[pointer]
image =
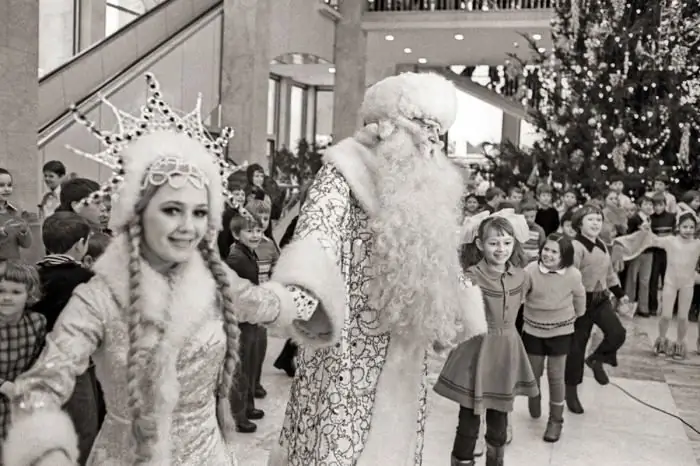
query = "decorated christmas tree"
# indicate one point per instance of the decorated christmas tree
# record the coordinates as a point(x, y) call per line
point(616, 94)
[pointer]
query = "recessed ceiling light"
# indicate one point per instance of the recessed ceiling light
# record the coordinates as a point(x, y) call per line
point(389, 37)
point(459, 36)
point(422, 61)
point(331, 70)
point(407, 50)
point(537, 37)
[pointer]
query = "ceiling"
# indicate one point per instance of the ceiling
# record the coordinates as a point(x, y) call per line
point(482, 46)
point(485, 40)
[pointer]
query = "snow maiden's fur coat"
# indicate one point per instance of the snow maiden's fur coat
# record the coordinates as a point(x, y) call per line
point(363, 401)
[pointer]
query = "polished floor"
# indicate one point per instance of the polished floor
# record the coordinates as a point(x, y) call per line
point(616, 430)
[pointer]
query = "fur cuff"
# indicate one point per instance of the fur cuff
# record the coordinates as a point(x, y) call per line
point(308, 265)
point(31, 436)
point(474, 318)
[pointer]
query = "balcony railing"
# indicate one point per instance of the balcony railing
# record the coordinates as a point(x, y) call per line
point(457, 5)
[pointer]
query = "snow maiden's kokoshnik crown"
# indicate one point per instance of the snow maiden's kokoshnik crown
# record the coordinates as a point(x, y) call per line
point(148, 138)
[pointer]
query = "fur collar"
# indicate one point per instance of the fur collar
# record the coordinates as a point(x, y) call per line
point(183, 302)
point(356, 163)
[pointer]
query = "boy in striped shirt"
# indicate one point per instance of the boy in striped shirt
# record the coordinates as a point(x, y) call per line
point(537, 237)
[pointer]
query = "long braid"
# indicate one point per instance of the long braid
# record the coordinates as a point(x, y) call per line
point(144, 426)
point(218, 270)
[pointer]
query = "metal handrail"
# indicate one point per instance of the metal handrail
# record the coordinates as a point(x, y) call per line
point(396, 6)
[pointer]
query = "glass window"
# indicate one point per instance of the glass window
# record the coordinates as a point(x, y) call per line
point(324, 117)
point(272, 106)
point(296, 116)
point(56, 33)
point(119, 13)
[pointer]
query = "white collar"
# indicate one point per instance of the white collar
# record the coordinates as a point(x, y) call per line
point(544, 269)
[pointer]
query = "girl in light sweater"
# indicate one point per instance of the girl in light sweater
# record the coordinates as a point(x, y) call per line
point(555, 298)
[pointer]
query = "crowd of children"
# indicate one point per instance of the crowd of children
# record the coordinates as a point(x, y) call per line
point(549, 272)
point(73, 235)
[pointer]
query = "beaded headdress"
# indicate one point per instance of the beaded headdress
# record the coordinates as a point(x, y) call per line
point(155, 116)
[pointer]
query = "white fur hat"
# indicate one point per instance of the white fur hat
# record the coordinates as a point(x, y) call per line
point(413, 96)
point(143, 152)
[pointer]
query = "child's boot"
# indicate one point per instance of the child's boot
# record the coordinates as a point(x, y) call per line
point(680, 351)
point(661, 346)
point(572, 401)
point(494, 455)
point(555, 423)
point(456, 462)
point(534, 405)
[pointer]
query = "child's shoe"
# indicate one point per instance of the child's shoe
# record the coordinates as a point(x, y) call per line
point(494, 455)
point(661, 346)
point(555, 423)
point(680, 351)
point(456, 462)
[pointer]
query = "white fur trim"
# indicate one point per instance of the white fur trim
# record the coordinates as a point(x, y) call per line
point(474, 317)
point(140, 155)
point(306, 263)
point(288, 310)
point(412, 96)
point(354, 162)
point(392, 436)
point(31, 436)
point(184, 304)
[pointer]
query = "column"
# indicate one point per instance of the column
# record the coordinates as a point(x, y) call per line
point(350, 60)
point(93, 18)
point(19, 99)
point(245, 70)
point(511, 129)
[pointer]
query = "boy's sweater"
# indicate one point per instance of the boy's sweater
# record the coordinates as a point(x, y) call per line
point(267, 253)
point(548, 219)
point(244, 262)
point(534, 243)
point(592, 259)
point(663, 224)
point(553, 302)
point(59, 276)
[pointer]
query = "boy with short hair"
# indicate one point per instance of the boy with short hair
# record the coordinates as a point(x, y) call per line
point(73, 191)
point(268, 252)
point(54, 174)
point(661, 188)
point(537, 237)
point(639, 269)
point(236, 184)
point(493, 197)
point(617, 185)
point(247, 232)
point(66, 236)
point(96, 247)
point(662, 224)
point(515, 196)
point(547, 216)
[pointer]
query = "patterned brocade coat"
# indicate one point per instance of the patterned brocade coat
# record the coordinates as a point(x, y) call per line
point(363, 401)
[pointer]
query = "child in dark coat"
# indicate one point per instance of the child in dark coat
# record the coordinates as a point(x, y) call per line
point(66, 236)
point(247, 232)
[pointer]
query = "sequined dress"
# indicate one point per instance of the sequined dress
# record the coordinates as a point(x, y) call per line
point(192, 352)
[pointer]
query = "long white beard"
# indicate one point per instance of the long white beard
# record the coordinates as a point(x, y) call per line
point(416, 287)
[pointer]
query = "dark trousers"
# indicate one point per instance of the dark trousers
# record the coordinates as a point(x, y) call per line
point(658, 269)
point(99, 400)
point(260, 351)
point(520, 320)
point(243, 391)
point(600, 312)
point(468, 431)
point(82, 409)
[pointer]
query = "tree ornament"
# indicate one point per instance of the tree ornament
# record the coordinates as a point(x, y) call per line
point(619, 134)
